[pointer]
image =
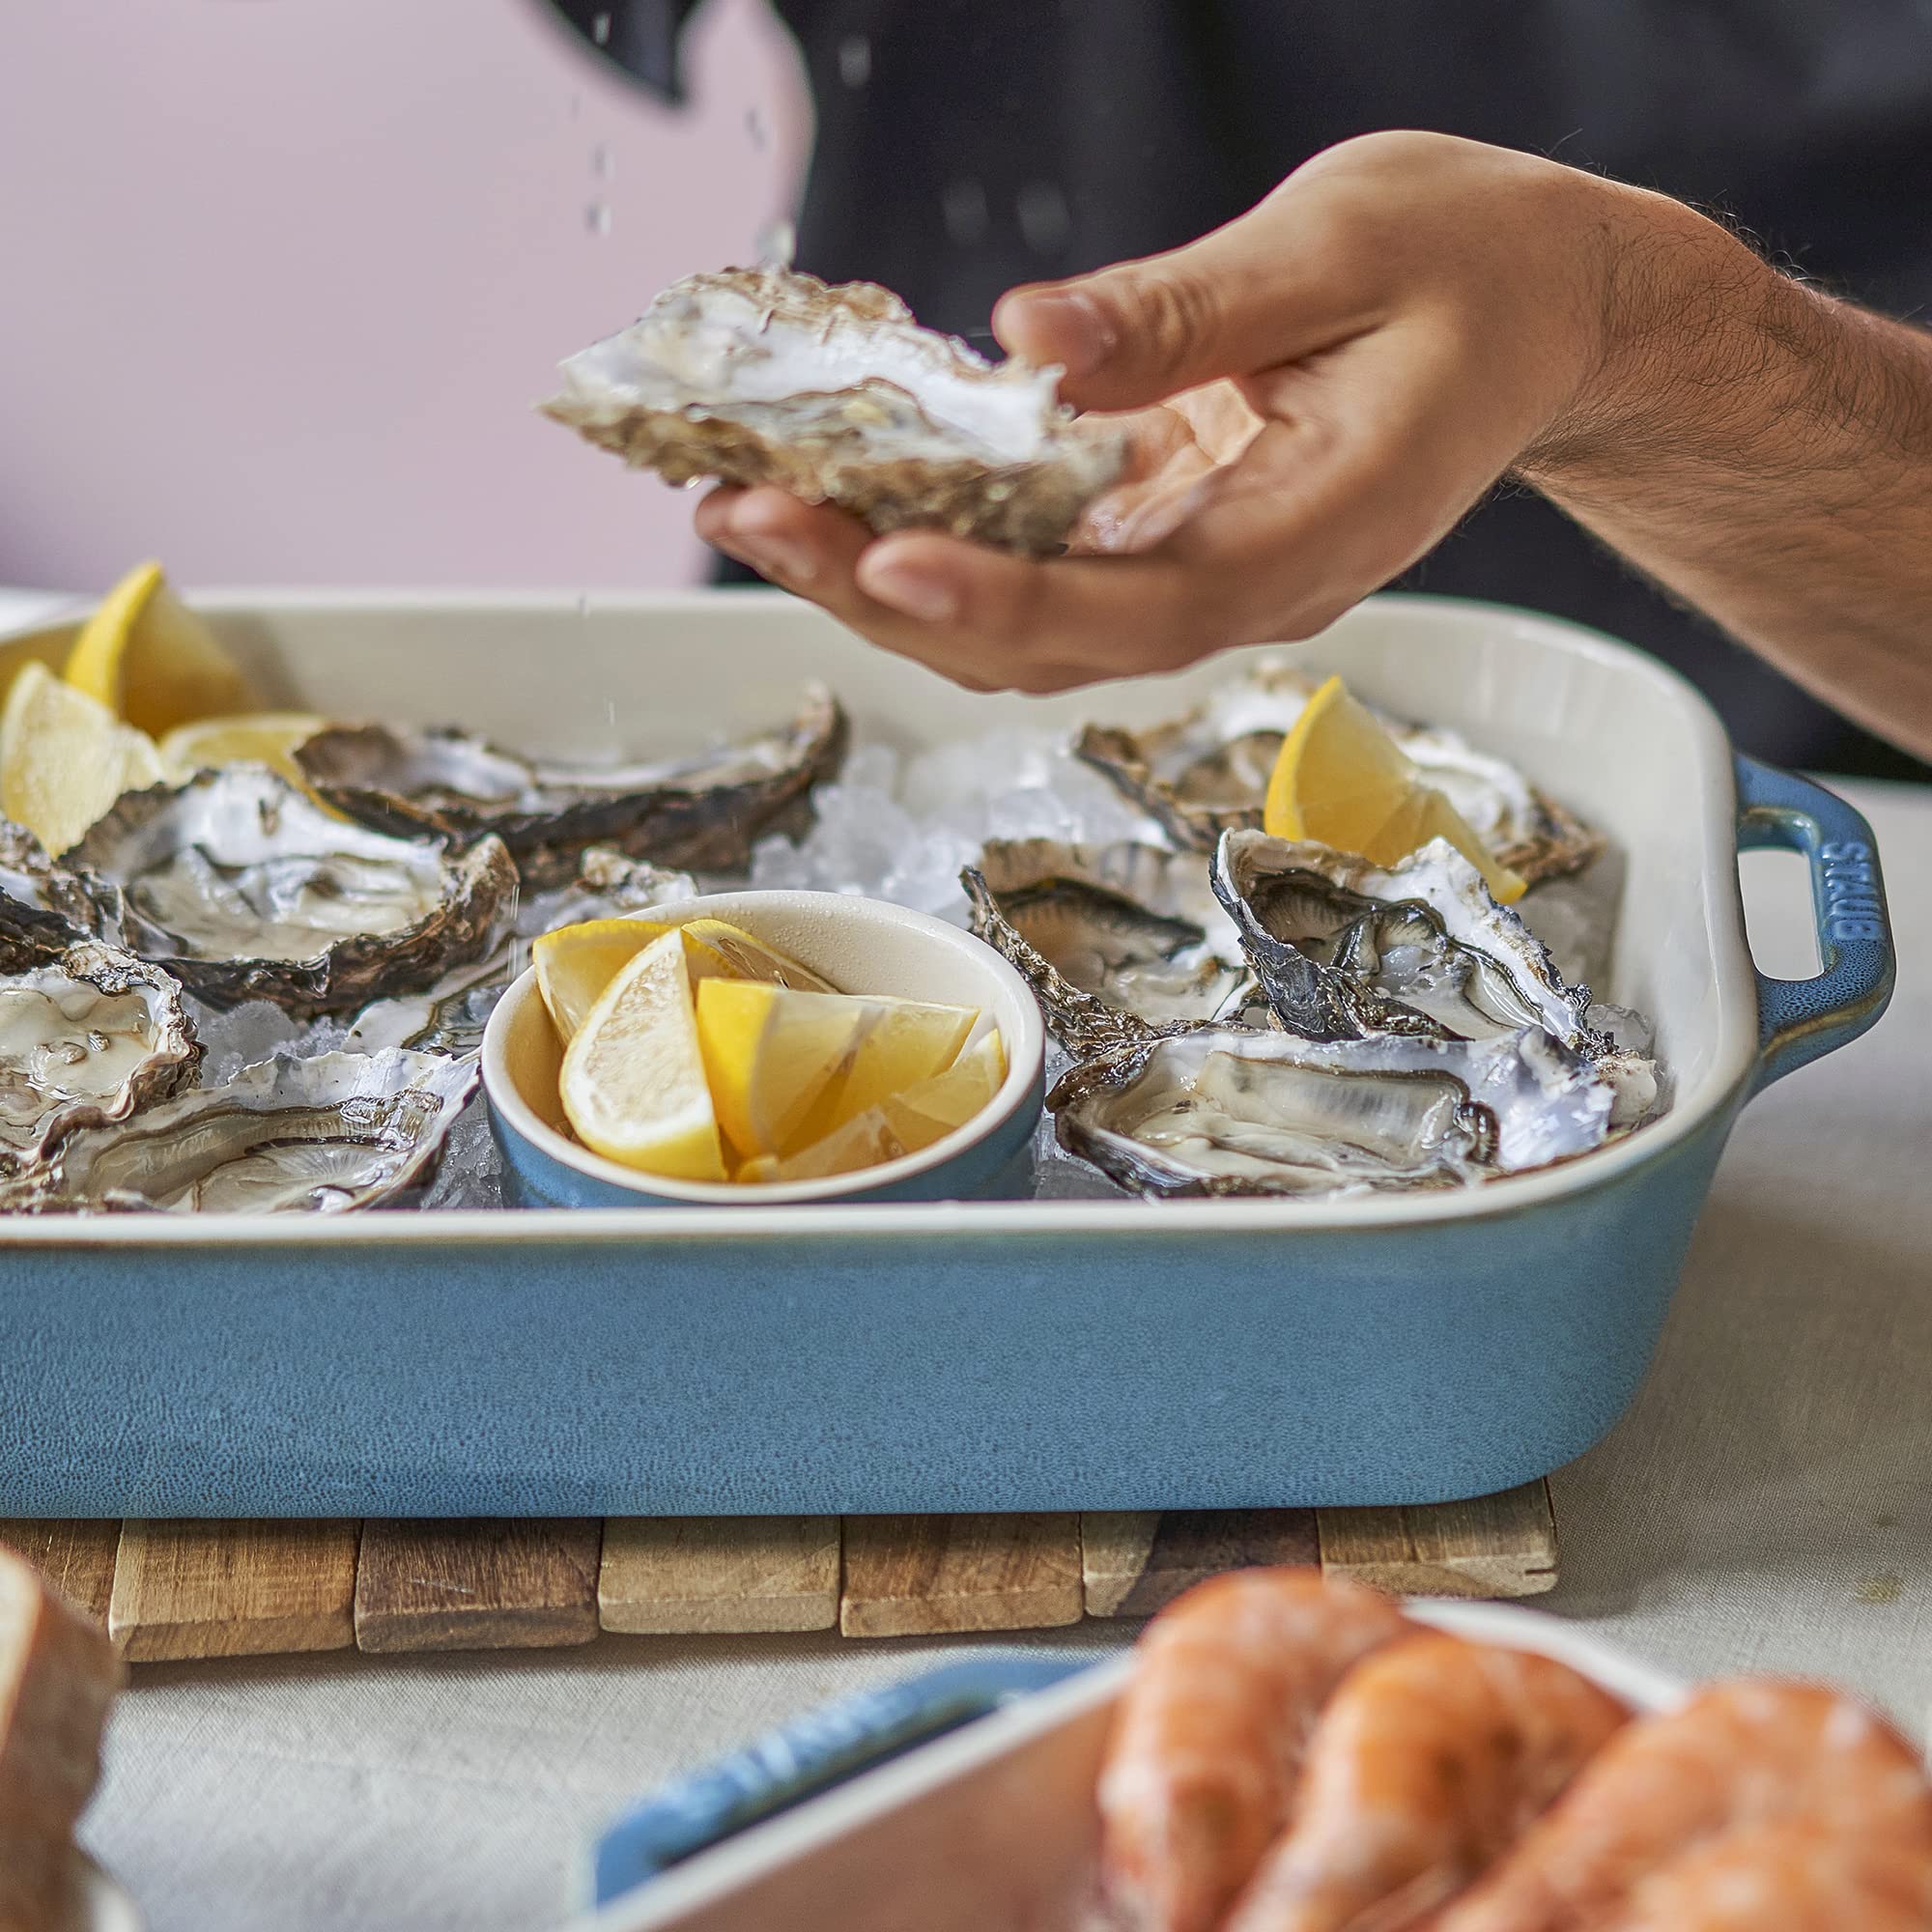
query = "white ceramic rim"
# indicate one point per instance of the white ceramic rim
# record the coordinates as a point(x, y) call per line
point(1026, 1058)
point(765, 1848)
point(1075, 1223)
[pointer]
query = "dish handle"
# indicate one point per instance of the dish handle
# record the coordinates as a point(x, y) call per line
point(1801, 1020)
point(807, 1757)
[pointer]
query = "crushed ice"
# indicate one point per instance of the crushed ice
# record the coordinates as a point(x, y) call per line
point(900, 829)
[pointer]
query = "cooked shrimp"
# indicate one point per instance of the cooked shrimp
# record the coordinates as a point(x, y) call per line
point(1744, 1754)
point(1201, 1768)
point(1431, 1759)
point(1782, 1877)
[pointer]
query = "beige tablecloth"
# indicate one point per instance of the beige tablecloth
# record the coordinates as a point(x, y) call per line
point(1767, 1503)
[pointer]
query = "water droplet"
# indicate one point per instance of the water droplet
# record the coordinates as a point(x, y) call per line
point(603, 164)
point(584, 603)
point(1045, 223)
point(597, 218)
point(855, 60)
point(778, 242)
point(754, 129)
point(966, 218)
point(600, 29)
point(575, 106)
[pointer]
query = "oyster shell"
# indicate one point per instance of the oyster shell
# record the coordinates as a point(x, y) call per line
point(243, 888)
point(344, 1130)
point(1118, 942)
point(1347, 950)
point(608, 885)
point(702, 811)
point(449, 1017)
point(45, 908)
point(1207, 773)
point(1232, 1111)
point(85, 1039)
point(835, 394)
point(1344, 948)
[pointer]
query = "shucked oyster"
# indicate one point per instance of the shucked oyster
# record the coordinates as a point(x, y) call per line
point(1346, 949)
point(1207, 773)
point(835, 394)
point(344, 1130)
point(244, 888)
point(702, 811)
point(1118, 942)
point(449, 1017)
point(45, 908)
point(1228, 1111)
point(85, 1039)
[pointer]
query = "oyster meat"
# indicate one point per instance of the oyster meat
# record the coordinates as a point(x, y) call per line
point(244, 888)
point(836, 395)
point(702, 811)
point(85, 1039)
point(1232, 1111)
point(1118, 942)
point(1207, 773)
point(344, 1130)
point(45, 908)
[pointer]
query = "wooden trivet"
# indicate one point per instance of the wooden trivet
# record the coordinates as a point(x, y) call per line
point(173, 1590)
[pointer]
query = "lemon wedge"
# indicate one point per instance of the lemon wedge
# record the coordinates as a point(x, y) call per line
point(251, 738)
point(632, 1082)
point(147, 657)
point(576, 963)
point(868, 1141)
point(64, 758)
point(921, 1114)
point(1341, 779)
point(769, 1051)
point(899, 1124)
point(907, 1041)
point(750, 958)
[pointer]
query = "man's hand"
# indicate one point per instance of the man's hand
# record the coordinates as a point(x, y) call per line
point(1318, 392)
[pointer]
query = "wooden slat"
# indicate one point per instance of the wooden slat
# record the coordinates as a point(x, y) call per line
point(232, 1589)
point(77, 1558)
point(1501, 1546)
point(916, 1575)
point(668, 1576)
point(477, 1583)
point(1136, 1563)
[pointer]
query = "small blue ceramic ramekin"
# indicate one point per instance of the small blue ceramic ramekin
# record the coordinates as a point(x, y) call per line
point(862, 946)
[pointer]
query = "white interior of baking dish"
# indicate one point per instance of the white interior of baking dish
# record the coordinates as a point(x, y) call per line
point(1626, 742)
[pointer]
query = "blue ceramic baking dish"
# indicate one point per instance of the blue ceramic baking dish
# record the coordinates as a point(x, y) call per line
point(947, 1357)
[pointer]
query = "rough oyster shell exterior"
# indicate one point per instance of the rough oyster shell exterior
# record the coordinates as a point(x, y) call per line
point(836, 395)
point(340, 1131)
point(1231, 1110)
point(703, 813)
point(1207, 773)
point(244, 888)
point(1119, 942)
point(45, 907)
point(86, 1039)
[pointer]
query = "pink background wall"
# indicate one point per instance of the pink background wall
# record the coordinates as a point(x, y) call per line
point(280, 279)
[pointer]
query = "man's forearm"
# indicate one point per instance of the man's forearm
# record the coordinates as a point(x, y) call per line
point(1765, 452)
